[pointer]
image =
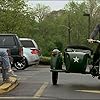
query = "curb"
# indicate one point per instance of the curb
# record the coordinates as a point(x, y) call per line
point(8, 86)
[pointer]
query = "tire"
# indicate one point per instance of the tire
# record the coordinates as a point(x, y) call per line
point(21, 65)
point(54, 78)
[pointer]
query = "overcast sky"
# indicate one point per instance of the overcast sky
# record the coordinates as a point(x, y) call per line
point(53, 4)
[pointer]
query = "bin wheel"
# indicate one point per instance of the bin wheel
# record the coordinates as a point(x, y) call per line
point(54, 78)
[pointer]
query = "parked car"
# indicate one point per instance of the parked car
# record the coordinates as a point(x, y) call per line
point(12, 42)
point(30, 51)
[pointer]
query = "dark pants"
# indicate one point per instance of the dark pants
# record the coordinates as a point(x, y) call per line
point(96, 57)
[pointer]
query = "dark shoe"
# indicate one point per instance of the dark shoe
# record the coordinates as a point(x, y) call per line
point(95, 71)
point(99, 77)
point(7, 81)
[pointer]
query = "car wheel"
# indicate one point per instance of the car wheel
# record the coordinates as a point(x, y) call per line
point(54, 78)
point(21, 65)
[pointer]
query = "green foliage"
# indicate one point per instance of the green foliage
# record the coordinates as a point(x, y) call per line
point(40, 11)
point(59, 45)
point(52, 29)
point(14, 17)
point(45, 60)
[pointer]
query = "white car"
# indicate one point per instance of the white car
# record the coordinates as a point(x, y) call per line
point(30, 51)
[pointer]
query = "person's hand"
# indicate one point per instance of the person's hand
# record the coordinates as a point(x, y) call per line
point(90, 40)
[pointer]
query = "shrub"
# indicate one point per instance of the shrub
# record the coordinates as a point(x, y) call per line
point(45, 60)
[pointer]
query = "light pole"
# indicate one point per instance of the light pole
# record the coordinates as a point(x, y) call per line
point(89, 22)
point(69, 27)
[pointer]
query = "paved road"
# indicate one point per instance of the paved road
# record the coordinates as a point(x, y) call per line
point(35, 82)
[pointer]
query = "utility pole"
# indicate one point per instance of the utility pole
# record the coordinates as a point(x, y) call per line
point(69, 29)
point(89, 22)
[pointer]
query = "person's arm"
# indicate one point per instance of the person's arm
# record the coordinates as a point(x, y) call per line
point(95, 31)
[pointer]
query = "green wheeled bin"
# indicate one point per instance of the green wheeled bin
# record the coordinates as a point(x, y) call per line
point(76, 59)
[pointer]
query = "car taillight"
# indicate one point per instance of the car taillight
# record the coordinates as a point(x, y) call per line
point(21, 51)
point(35, 51)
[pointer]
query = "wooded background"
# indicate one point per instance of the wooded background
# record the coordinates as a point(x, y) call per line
point(50, 29)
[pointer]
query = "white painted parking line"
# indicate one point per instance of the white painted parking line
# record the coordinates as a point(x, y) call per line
point(41, 90)
point(16, 98)
point(20, 98)
point(89, 91)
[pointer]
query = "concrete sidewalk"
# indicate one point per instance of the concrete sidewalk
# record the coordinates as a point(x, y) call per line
point(8, 86)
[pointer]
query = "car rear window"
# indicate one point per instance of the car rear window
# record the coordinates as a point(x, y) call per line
point(27, 43)
point(7, 41)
